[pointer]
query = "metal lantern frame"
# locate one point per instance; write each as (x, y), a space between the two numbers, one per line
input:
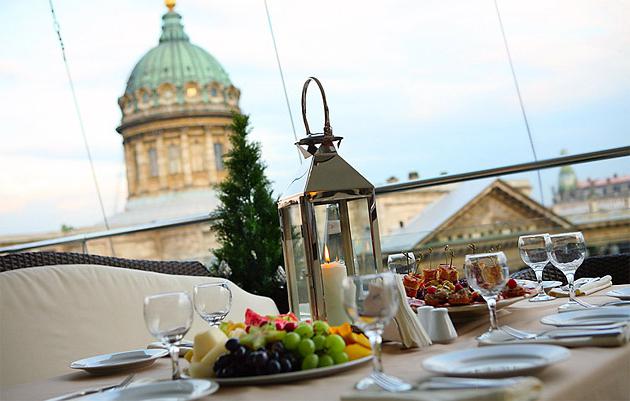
(327, 179)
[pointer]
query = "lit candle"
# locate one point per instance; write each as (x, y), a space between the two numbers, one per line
(333, 274)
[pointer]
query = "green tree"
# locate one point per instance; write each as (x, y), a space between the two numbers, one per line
(247, 226)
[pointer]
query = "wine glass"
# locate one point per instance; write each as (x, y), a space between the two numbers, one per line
(535, 251)
(568, 251)
(212, 301)
(401, 263)
(168, 318)
(371, 301)
(487, 274)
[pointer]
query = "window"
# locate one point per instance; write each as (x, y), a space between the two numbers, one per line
(136, 164)
(198, 160)
(153, 163)
(174, 163)
(213, 92)
(218, 156)
(191, 91)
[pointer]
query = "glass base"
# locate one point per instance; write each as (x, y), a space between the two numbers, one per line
(542, 297)
(369, 383)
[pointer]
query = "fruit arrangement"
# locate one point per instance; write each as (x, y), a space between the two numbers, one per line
(264, 345)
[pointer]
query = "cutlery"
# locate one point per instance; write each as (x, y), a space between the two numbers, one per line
(566, 332)
(446, 383)
(389, 383)
(89, 391)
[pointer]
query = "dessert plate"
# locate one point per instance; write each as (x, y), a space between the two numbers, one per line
(292, 376)
(168, 390)
(622, 293)
(589, 317)
(497, 361)
(119, 361)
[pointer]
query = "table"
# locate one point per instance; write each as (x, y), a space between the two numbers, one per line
(590, 374)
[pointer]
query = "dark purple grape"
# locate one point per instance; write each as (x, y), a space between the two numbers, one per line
(240, 352)
(274, 355)
(260, 358)
(232, 344)
(286, 365)
(273, 367)
(278, 347)
(222, 362)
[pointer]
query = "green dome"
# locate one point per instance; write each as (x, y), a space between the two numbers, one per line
(175, 60)
(567, 179)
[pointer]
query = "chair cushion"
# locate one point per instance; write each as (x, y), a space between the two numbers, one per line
(53, 315)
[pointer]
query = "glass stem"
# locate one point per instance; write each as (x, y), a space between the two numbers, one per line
(375, 342)
(173, 349)
(492, 307)
(539, 278)
(570, 278)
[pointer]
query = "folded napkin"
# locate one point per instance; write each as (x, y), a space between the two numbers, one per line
(405, 327)
(572, 338)
(517, 389)
(584, 286)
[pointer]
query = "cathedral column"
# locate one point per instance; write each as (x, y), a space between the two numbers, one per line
(141, 170)
(162, 161)
(130, 163)
(186, 158)
(210, 162)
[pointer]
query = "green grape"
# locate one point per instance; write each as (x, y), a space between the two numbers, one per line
(321, 327)
(310, 362)
(340, 357)
(306, 347)
(291, 341)
(325, 360)
(305, 330)
(320, 342)
(335, 343)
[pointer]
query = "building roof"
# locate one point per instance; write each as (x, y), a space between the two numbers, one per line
(600, 182)
(175, 60)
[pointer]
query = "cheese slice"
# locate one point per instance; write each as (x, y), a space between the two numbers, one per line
(206, 341)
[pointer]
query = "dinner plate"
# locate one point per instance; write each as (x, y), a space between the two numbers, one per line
(497, 361)
(588, 317)
(168, 390)
(622, 293)
(292, 376)
(119, 361)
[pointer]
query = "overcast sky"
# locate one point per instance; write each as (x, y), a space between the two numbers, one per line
(411, 85)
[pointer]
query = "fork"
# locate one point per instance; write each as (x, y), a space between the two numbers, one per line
(391, 384)
(82, 393)
(526, 335)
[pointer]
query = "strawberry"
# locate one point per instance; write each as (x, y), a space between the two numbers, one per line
(458, 287)
(431, 289)
(511, 284)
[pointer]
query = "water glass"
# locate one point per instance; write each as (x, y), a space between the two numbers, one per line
(401, 263)
(535, 250)
(568, 251)
(212, 301)
(487, 273)
(371, 301)
(168, 318)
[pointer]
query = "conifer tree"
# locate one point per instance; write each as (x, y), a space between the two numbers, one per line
(247, 224)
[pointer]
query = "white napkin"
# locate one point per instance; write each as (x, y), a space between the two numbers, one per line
(405, 327)
(615, 337)
(524, 389)
(584, 286)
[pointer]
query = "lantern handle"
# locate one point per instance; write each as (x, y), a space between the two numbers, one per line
(327, 127)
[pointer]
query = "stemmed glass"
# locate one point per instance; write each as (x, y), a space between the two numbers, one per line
(535, 251)
(568, 251)
(487, 274)
(212, 301)
(401, 263)
(371, 301)
(168, 318)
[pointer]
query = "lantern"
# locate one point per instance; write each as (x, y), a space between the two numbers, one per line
(329, 225)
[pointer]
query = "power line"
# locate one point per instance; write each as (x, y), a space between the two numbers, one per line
(57, 28)
(284, 87)
(520, 100)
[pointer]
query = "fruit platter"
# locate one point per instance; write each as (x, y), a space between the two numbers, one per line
(274, 349)
(441, 287)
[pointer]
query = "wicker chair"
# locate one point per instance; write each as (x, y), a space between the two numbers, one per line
(31, 259)
(617, 266)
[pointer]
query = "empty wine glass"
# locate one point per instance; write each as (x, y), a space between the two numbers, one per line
(535, 251)
(212, 301)
(371, 301)
(568, 251)
(168, 318)
(401, 263)
(487, 274)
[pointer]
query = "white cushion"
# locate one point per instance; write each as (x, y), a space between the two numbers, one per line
(53, 315)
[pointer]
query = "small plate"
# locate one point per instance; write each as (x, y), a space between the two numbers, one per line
(168, 390)
(497, 361)
(119, 361)
(622, 293)
(588, 317)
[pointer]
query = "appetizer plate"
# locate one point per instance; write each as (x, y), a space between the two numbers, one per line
(589, 317)
(622, 293)
(119, 361)
(168, 390)
(479, 309)
(497, 361)
(292, 376)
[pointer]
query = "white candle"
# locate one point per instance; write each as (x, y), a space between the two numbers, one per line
(333, 274)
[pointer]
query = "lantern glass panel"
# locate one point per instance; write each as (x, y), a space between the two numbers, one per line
(329, 231)
(361, 231)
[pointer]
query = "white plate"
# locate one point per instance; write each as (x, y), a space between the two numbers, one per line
(496, 361)
(622, 293)
(292, 376)
(585, 317)
(479, 309)
(119, 361)
(529, 284)
(168, 390)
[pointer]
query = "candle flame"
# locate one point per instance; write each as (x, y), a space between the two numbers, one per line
(326, 254)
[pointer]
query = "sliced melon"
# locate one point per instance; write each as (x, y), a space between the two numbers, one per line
(204, 342)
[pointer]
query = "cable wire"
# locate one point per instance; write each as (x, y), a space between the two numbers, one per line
(284, 87)
(520, 100)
